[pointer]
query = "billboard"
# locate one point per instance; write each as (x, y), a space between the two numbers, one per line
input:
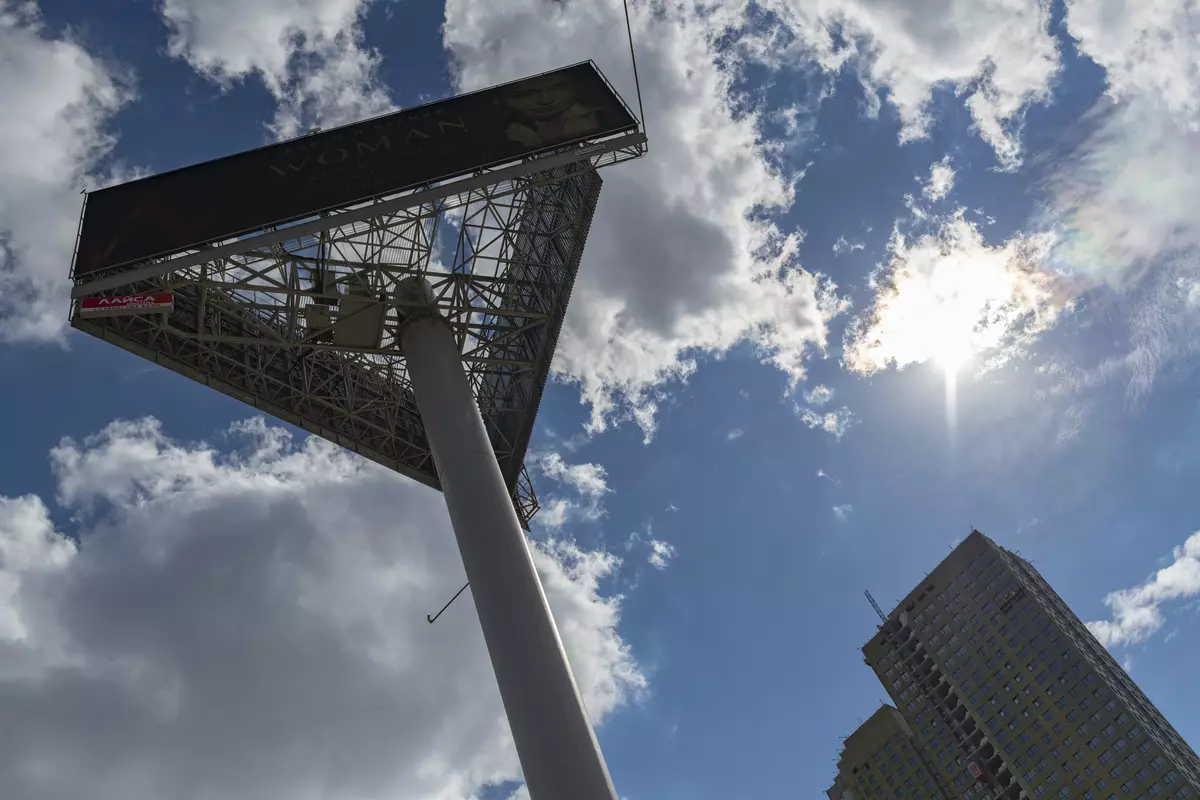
(175, 211)
(119, 305)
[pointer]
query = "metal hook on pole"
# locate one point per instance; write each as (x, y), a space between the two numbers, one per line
(434, 618)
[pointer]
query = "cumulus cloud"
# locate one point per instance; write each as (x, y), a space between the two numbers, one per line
(949, 295)
(1137, 612)
(661, 554)
(309, 54)
(843, 512)
(58, 99)
(999, 55)
(819, 395)
(735, 434)
(683, 257)
(941, 180)
(252, 624)
(1147, 49)
(587, 483)
(835, 422)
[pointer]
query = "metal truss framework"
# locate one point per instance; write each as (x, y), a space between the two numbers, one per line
(303, 322)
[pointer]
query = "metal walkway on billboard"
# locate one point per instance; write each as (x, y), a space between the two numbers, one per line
(302, 321)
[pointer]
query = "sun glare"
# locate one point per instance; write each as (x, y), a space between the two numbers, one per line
(952, 354)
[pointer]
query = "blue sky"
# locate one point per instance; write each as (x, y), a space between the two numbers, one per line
(886, 275)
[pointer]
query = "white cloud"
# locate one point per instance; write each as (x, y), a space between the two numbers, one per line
(680, 260)
(308, 53)
(1121, 209)
(836, 422)
(998, 54)
(941, 180)
(819, 395)
(843, 246)
(661, 554)
(253, 625)
(821, 473)
(1123, 201)
(1137, 612)
(734, 435)
(843, 512)
(1147, 48)
(949, 296)
(588, 482)
(57, 99)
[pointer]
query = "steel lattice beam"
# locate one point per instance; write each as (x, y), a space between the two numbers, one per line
(306, 327)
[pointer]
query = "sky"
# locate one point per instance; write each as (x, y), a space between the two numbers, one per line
(888, 273)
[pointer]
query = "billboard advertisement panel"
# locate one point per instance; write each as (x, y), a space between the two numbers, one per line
(120, 305)
(178, 210)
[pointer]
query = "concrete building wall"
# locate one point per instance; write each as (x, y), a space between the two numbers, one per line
(881, 759)
(1012, 697)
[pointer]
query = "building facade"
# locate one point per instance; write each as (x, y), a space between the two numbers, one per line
(882, 759)
(1010, 695)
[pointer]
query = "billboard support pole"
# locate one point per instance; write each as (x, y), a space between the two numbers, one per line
(559, 754)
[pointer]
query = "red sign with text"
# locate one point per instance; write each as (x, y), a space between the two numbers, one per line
(126, 304)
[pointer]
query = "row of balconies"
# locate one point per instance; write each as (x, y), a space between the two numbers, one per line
(969, 737)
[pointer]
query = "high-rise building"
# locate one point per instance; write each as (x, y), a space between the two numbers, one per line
(882, 759)
(1012, 697)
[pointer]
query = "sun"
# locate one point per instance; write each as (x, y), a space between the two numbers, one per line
(951, 353)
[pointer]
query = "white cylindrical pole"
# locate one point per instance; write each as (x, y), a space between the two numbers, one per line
(558, 750)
